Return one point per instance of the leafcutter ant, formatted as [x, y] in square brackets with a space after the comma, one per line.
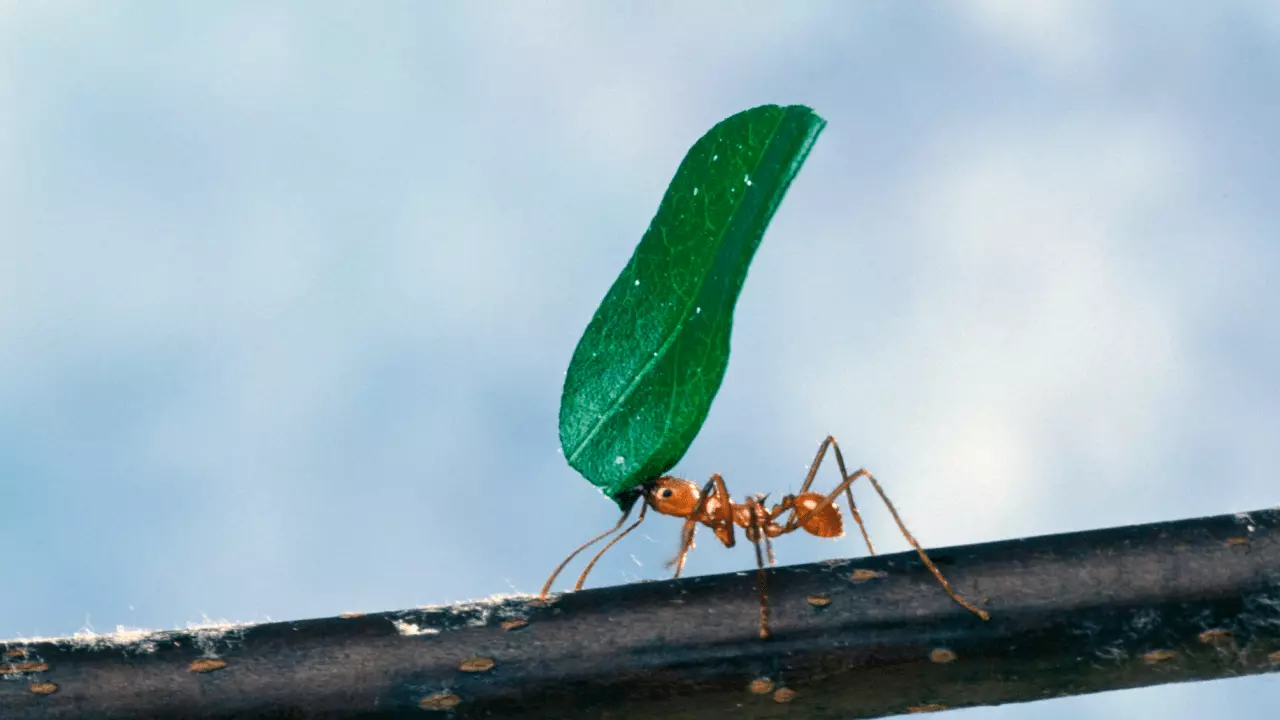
[812, 512]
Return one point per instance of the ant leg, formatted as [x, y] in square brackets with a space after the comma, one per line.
[767, 520]
[848, 492]
[796, 516]
[690, 527]
[547, 587]
[686, 544]
[757, 526]
[724, 521]
[857, 517]
[715, 484]
[923, 556]
[817, 460]
[845, 485]
[583, 577]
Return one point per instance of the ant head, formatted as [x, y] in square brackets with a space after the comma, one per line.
[672, 496]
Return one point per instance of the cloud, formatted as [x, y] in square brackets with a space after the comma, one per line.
[1030, 330]
[1059, 36]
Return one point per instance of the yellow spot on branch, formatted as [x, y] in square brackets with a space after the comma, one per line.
[942, 655]
[477, 664]
[204, 665]
[439, 701]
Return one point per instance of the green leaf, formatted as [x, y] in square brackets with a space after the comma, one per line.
[650, 362]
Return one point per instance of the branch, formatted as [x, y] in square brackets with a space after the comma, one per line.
[1070, 614]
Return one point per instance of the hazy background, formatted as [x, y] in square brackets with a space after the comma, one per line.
[287, 290]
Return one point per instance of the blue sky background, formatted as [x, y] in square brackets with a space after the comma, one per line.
[287, 290]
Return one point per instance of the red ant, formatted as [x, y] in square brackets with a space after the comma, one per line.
[815, 513]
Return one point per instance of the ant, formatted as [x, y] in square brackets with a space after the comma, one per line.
[813, 512]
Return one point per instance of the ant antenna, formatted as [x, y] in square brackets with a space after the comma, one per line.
[583, 577]
[547, 587]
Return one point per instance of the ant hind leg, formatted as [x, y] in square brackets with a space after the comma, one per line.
[848, 493]
[844, 486]
[937, 574]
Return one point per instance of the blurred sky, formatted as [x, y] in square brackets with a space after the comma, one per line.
[287, 290]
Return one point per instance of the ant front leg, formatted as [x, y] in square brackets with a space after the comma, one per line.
[719, 518]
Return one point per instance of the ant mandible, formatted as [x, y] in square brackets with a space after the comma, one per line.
[813, 512]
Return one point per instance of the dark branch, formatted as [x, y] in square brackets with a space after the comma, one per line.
[1070, 614]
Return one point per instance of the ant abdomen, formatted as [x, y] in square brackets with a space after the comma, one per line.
[825, 521]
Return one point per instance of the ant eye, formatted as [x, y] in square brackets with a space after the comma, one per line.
[666, 493]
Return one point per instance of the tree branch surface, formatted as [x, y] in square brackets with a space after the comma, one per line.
[1070, 614]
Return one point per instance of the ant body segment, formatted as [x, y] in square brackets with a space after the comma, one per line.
[812, 512]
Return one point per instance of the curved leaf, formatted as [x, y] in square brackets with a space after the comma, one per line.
[650, 362]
